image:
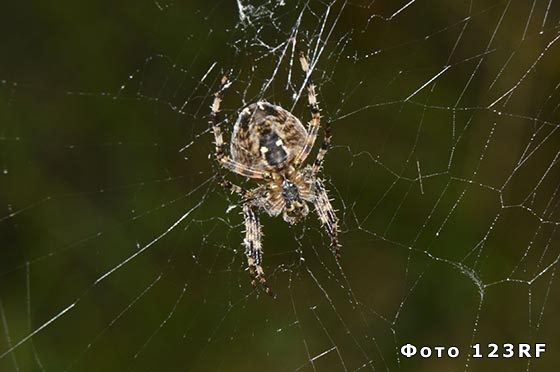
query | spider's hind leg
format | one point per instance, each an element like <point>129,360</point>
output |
<point>327,215</point>
<point>253,248</point>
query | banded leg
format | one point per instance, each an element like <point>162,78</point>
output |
<point>325,146</point>
<point>327,215</point>
<point>253,248</point>
<point>223,159</point>
<point>313,127</point>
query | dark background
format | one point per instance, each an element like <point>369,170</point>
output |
<point>449,204</point>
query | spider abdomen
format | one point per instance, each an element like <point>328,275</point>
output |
<point>267,137</point>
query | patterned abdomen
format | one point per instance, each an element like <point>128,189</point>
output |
<point>266,137</point>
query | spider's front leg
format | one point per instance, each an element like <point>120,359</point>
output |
<point>327,215</point>
<point>224,159</point>
<point>313,127</point>
<point>253,247</point>
<point>214,120</point>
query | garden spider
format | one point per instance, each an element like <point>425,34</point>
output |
<point>270,145</point>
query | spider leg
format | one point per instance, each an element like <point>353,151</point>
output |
<point>253,248</point>
<point>327,215</point>
<point>232,187</point>
<point>325,146</point>
<point>223,159</point>
<point>247,195</point>
<point>313,127</point>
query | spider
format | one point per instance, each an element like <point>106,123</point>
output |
<point>270,145</point>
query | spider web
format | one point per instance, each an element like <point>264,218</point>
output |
<point>121,251</point>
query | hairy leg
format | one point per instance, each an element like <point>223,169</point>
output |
<point>223,159</point>
<point>253,248</point>
<point>313,127</point>
<point>327,215</point>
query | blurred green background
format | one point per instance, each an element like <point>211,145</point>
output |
<point>447,192</point>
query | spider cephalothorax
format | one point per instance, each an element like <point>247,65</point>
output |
<point>295,208</point>
<point>270,145</point>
